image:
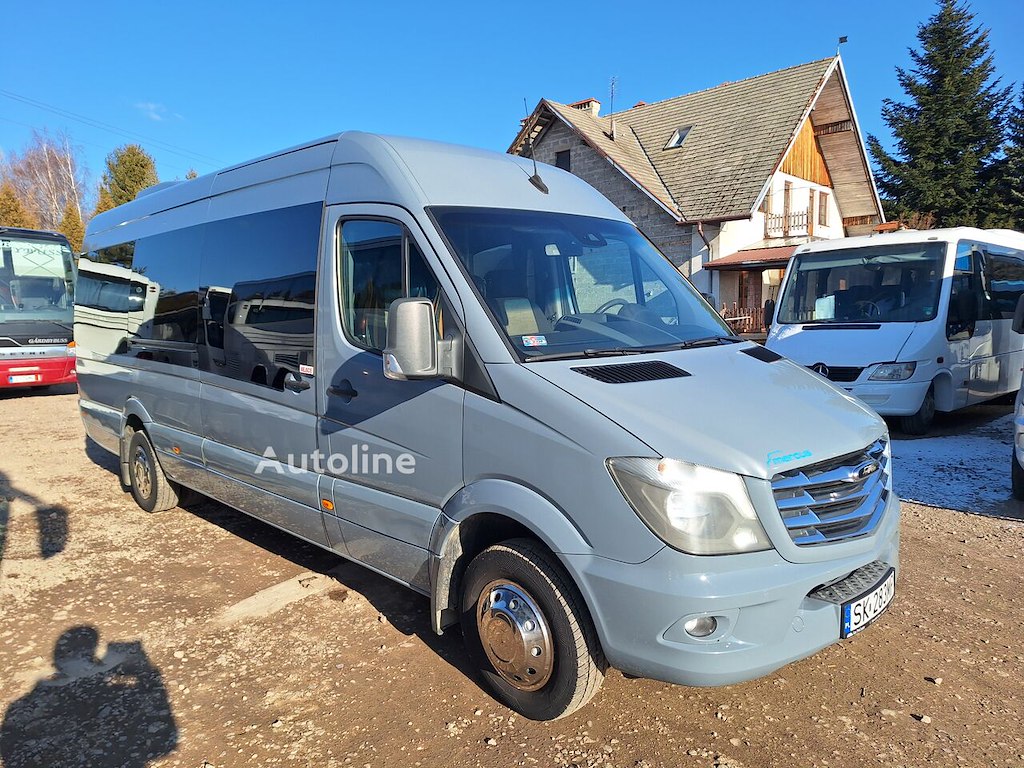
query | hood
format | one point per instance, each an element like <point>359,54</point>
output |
<point>754,415</point>
<point>855,346</point>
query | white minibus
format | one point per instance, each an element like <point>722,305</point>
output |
<point>910,322</point>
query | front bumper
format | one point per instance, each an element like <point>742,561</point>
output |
<point>897,398</point>
<point>37,371</point>
<point>766,617</point>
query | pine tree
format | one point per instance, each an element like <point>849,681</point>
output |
<point>72,227</point>
<point>1011,172</point>
<point>13,212</point>
<point>103,201</point>
<point>130,169</point>
<point>949,132</point>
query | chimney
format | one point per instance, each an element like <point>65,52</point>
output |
<point>593,106</point>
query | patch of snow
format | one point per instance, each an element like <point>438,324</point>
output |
<point>966,472</point>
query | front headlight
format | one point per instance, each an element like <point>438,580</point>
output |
<point>694,509</point>
<point>893,372</point>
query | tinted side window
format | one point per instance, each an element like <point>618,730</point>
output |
<point>373,275</point>
<point>258,294</point>
<point>169,262</point>
<point>1005,280</point>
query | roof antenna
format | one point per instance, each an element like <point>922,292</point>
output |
<point>611,93</point>
<point>536,180</point>
<point>842,40</point>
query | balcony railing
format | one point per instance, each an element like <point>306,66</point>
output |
<point>786,224</point>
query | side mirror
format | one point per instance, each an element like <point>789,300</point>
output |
<point>411,351</point>
<point>1018,316</point>
<point>769,314</point>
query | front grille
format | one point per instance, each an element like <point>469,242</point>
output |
<point>628,373</point>
<point>840,374</point>
<point>835,500</point>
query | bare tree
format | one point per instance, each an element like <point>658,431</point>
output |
<point>47,176</point>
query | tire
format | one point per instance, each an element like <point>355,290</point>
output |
<point>920,422</point>
<point>149,485</point>
<point>506,587</point>
<point>1016,476</point>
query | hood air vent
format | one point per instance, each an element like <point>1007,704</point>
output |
<point>628,373</point>
<point>762,354</point>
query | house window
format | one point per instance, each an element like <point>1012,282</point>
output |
<point>823,209</point>
<point>678,137</point>
<point>562,160</point>
<point>766,204</point>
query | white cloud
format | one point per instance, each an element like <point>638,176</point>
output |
<point>154,111</point>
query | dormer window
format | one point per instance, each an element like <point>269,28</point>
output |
<point>678,137</point>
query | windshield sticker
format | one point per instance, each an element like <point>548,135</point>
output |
<point>778,457</point>
<point>534,341</point>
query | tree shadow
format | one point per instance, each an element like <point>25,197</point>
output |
<point>51,519</point>
<point>96,712</point>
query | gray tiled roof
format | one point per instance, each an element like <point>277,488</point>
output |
<point>739,133</point>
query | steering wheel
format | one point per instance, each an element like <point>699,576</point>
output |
<point>609,304</point>
<point>867,308</point>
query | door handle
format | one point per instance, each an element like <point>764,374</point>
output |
<point>295,383</point>
<point>342,389</point>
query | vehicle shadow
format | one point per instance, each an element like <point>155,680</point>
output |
<point>48,391</point>
<point>95,712</point>
<point>51,519</point>
<point>405,610</point>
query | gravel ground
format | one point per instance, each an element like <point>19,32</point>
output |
<point>200,637</point>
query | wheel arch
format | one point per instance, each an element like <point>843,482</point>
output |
<point>481,515</point>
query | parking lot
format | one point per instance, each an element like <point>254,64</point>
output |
<point>200,637</point>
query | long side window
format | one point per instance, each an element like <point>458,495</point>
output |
<point>258,294</point>
<point>379,262</point>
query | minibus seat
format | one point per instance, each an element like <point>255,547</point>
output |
<point>506,296</point>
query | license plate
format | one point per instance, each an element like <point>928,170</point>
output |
<point>28,378</point>
<point>857,614</point>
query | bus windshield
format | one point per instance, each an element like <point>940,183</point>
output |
<point>564,285</point>
<point>36,279</point>
<point>872,284</point>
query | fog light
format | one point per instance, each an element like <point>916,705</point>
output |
<point>702,626</point>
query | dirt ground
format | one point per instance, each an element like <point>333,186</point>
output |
<point>200,637</point>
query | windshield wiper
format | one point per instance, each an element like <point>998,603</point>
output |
<point>705,341</point>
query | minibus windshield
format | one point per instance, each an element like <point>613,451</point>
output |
<point>36,280</point>
<point>873,284</point>
<point>561,285</point>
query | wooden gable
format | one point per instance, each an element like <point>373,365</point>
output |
<point>805,160</point>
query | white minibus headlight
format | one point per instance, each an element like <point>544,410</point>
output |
<point>893,372</point>
<point>694,509</point>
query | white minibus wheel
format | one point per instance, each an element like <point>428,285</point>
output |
<point>920,422</point>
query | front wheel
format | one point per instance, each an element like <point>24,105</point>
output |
<point>920,422</point>
<point>1016,476</point>
<point>527,630</point>
<point>149,485</point>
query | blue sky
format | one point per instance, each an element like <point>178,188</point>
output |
<point>207,84</point>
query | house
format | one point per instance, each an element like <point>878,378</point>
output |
<point>726,181</point>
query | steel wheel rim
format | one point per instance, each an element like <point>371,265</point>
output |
<point>143,472</point>
<point>515,635</point>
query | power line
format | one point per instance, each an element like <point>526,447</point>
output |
<point>106,148</point>
<point>163,145</point>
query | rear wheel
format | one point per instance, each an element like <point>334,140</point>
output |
<point>149,485</point>
<point>1016,476</point>
<point>528,631</point>
<point>920,422</point>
